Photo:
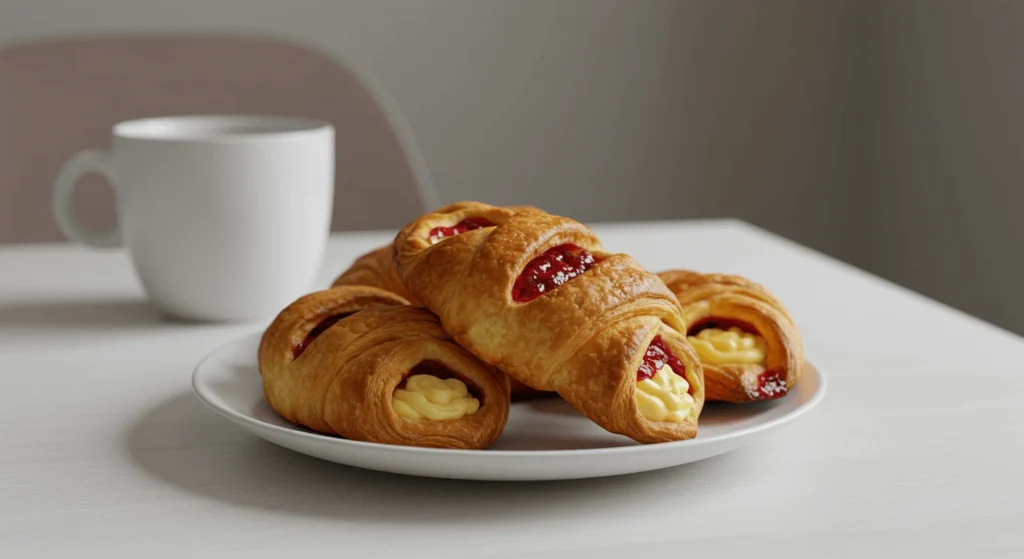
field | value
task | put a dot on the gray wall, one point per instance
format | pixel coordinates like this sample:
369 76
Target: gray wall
599 109
945 196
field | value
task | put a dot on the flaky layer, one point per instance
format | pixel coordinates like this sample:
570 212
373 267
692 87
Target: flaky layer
375 269
690 286
343 382
585 339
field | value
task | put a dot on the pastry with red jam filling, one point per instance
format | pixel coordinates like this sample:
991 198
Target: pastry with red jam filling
360 363
748 345
376 269
536 295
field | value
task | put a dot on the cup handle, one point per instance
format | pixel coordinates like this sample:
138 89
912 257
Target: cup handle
82 163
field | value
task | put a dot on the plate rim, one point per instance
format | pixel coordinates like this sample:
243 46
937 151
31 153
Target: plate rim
697 442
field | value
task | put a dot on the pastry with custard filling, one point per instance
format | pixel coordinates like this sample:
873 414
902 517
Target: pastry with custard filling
360 363
536 295
747 342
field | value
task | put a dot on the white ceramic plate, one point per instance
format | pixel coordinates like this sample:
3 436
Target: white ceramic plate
544 439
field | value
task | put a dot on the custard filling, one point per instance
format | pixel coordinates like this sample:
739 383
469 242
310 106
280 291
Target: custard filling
664 397
728 347
426 397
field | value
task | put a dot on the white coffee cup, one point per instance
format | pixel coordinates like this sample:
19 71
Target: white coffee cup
225 217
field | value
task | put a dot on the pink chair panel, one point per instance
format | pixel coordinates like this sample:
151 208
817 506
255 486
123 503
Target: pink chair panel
60 96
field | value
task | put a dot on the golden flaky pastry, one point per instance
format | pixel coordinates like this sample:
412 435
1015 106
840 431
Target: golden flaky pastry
360 363
376 269
749 346
535 295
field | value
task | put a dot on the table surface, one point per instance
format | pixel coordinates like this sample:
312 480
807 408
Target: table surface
105 450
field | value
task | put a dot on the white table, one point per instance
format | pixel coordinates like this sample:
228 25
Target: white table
919 444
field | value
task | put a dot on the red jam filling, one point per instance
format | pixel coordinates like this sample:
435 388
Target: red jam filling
656 357
316 331
549 270
468 224
771 385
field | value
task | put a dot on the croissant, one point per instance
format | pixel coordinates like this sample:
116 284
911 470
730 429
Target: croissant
375 269
747 342
360 363
536 295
